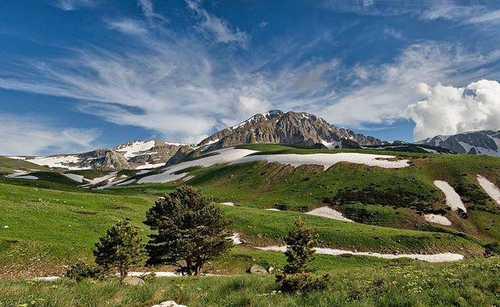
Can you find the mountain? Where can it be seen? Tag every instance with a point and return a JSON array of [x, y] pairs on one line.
[[133, 155], [486, 142], [277, 127], [290, 128]]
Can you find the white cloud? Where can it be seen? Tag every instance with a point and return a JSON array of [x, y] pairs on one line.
[[127, 26], [472, 14], [252, 105], [147, 7], [70, 5], [386, 98], [32, 136], [217, 27], [450, 110]]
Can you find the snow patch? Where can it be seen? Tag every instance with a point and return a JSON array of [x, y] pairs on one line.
[[328, 160], [74, 177], [135, 149], [490, 188], [149, 165], [272, 209], [19, 174], [228, 203], [330, 145], [58, 162], [329, 213], [443, 257], [170, 173], [236, 238], [169, 304], [453, 200], [437, 219]]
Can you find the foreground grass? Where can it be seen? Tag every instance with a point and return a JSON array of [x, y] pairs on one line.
[[473, 283], [43, 230]]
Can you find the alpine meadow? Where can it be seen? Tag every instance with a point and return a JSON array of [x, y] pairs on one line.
[[249, 153]]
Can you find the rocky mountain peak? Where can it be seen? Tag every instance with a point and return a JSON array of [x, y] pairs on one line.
[[485, 142], [291, 128]]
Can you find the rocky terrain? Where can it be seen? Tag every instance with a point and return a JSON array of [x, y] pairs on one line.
[[486, 142], [133, 155], [277, 127], [290, 128]]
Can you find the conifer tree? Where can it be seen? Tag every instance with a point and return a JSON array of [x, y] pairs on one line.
[[187, 231], [120, 248], [300, 243]]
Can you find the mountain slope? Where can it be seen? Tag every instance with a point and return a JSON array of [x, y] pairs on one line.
[[133, 155], [486, 142], [290, 128]]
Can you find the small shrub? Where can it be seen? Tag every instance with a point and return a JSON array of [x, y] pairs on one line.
[[282, 207], [492, 249], [302, 283], [80, 271]]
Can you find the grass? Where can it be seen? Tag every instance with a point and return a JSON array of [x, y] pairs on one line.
[[472, 283], [48, 229], [8, 165], [265, 227]]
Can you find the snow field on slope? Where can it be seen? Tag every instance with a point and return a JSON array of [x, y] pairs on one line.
[[328, 160], [58, 162], [453, 200], [490, 188], [223, 156], [442, 257], [437, 219], [136, 148], [236, 156]]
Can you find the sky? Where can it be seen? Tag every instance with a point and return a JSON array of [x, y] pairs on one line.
[[82, 74]]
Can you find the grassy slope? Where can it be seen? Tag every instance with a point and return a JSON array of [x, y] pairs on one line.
[[392, 193], [48, 228], [8, 165], [461, 284]]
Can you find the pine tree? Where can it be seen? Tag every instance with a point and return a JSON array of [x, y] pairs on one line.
[[300, 243], [187, 231], [296, 277], [120, 248]]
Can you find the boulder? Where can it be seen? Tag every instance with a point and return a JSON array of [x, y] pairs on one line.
[[257, 269], [133, 281], [169, 304]]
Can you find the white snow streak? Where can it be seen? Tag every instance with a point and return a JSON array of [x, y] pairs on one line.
[[329, 213], [453, 200], [223, 156], [490, 188], [437, 219], [443, 257], [327, 160]]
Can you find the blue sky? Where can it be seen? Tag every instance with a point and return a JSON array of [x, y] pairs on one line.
[[80, 74]]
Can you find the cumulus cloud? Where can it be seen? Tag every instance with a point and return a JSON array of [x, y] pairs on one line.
[[33, 136], [393, 87], [450, 110], [217, 27]]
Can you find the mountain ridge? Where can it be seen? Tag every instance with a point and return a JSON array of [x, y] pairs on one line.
[[482, 142]]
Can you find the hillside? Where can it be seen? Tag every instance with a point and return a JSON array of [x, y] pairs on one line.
[[485, 142], [133, 155]]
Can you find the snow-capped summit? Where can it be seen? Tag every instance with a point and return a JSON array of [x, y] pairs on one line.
[[292, 128], [485, 142], [133, 155]]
